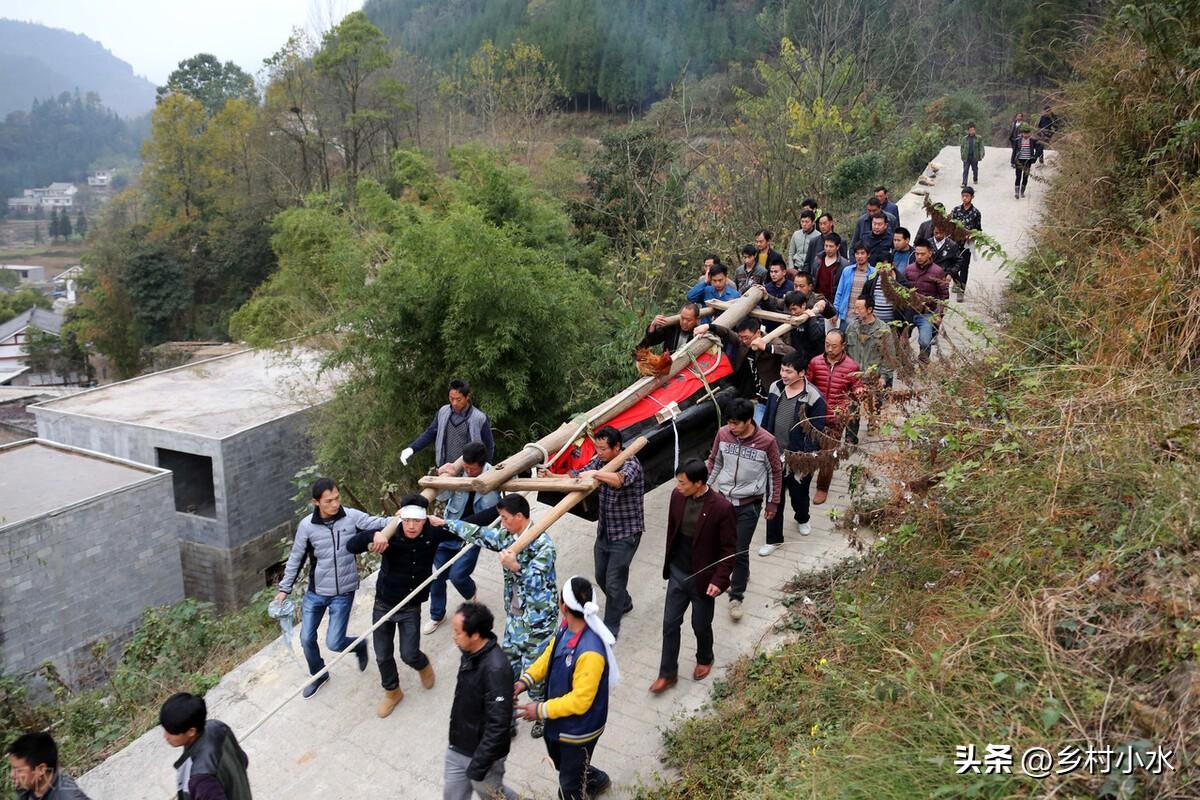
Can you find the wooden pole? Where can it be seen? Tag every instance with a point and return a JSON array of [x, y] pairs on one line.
[[674, 318], [786, 327], [430, 493], [532, 454], [773, 316], [535, 529], [559, 483]]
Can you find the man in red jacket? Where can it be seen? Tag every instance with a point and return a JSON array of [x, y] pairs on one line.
[[701, 536], [836, 377]]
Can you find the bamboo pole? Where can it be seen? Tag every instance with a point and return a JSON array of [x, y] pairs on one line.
[[535, 529], [430, 493], [673, 319], [772, 316], [786, 327], [562, 483], [532, 454]]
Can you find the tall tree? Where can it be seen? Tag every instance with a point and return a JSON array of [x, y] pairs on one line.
[[352, 55], [205, 79], [53, 224], [64, 224], [81, 224]]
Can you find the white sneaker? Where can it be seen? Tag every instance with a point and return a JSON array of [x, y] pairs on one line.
[[805, 528], [431, 625], [735, 610], [767, 549]]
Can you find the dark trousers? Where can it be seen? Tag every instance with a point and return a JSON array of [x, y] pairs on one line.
[[577, 778], [407, 622], [1022, 170], [612, 577], [972, 166], [796, 490], [747, 521], [833, 439], [683, 592], [964, 265]]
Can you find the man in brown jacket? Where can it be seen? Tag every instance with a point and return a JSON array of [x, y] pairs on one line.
[[701, 537]]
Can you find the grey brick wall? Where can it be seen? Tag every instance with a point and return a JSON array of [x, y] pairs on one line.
[[85, 573]]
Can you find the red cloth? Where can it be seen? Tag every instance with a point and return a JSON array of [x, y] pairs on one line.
[[680, 387]]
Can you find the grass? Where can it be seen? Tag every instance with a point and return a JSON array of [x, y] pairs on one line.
[[1035, 582]]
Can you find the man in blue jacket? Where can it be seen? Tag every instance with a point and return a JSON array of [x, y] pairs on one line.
[[715, 285], [322, 538]]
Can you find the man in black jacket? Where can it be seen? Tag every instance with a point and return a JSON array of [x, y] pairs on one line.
[[481, 716], [673, 337], [407, 562]]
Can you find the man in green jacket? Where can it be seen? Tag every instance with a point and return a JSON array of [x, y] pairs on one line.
[[869, 341], [971, 151], [213, 764]]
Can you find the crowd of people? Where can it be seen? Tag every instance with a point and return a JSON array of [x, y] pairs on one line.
[[850, 304]]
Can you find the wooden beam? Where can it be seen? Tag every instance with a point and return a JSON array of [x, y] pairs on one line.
[[430, 493], [674, 318], [773, 316], [558, 483], [567, 503], [532, 454]]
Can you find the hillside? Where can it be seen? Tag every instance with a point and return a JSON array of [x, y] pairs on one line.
[[38, 62]]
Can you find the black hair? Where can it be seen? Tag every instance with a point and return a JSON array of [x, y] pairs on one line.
[[832, 237], [695, 309], [775, 258], [971, 125], [840, 335], [35, 748], [582, 589], [713, 257], [476, 619], [874, 202], [475, 453], [902, 231], [869, 299], [610, 435], [763, 232], [182, 712], [809, 203], [740, 409], [799, 275], [923, 243], [806, 214], [795, 360], [795, 298], [878, 216], [749, 250], [321, 486], [694, 469], [881, 189], [414, 500], [823, 216], [747, 324], [860, 246], [460, 386], [514, 504], [717, 269]]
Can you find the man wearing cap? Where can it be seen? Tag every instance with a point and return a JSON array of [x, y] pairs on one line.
[[968, 216], [406, 564], [579, 669]]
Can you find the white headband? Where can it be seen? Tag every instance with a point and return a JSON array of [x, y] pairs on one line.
[[591, 615], [413, 512]]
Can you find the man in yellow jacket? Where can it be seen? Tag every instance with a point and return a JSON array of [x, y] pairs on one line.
[[579, 670]]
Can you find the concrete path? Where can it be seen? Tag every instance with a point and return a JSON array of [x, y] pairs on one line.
[[333, 746]]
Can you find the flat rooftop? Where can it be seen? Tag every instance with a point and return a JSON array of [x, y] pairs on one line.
[[37, 477], [216, 397]]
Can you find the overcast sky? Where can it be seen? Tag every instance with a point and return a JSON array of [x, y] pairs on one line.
[[155, 35]]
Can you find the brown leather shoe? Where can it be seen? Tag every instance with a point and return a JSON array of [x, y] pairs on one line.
[[820, 496], [701, 672], [391, 698], [662, 684], [426, 674]]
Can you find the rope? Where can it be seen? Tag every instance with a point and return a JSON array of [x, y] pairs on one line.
[[466, 548], [674, 427], [703, 376]]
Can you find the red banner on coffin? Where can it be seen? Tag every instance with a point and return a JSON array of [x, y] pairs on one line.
[[680, 387]]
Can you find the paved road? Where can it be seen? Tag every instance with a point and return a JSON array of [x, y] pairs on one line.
[[333, 746]]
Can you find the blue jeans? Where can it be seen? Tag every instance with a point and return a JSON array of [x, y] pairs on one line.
[[313, 610], [760, 411], [925, 333], [459, 574]]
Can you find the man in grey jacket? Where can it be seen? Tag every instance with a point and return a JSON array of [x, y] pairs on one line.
[[454, 426], [333, 580], [33, 763]]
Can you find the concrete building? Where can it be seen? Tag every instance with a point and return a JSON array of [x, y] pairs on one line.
[[60, 194], [233, 431], [15, 336], [101, 179], [27, 273], [87, 546]]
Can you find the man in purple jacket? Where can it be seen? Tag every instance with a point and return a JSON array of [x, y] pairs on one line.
[[932, 286]]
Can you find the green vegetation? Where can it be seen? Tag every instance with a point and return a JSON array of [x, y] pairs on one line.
[[182, 648], [1034, 581]]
